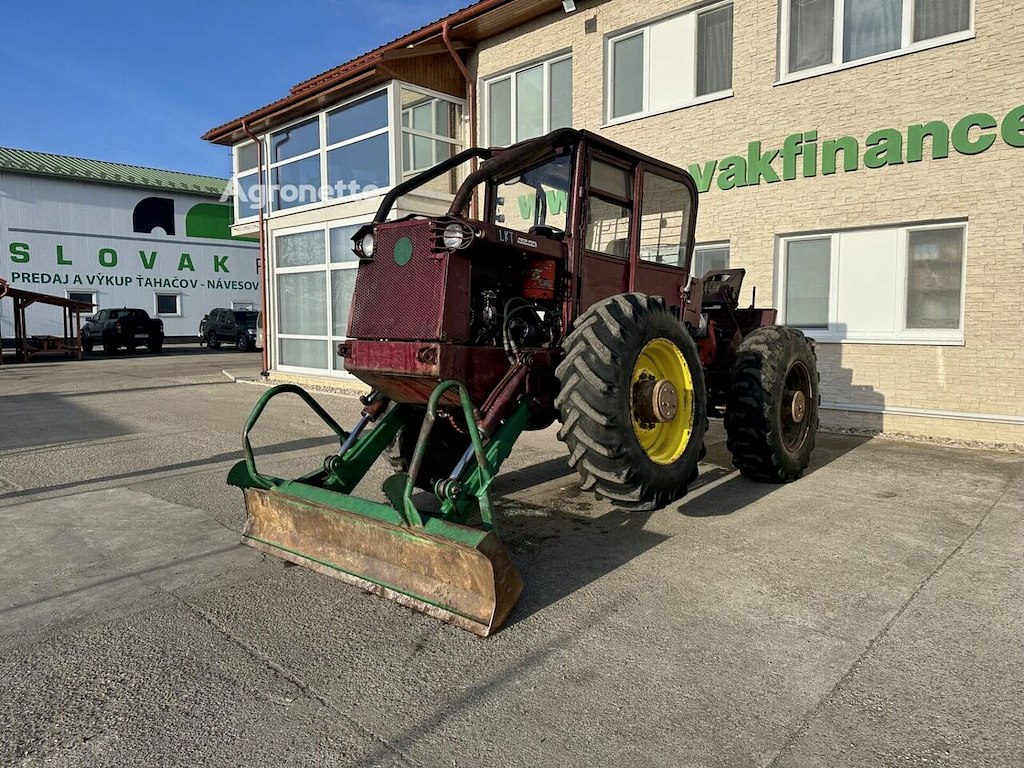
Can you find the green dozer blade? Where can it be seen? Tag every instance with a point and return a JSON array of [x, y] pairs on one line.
[[456, 573], [433, 563]]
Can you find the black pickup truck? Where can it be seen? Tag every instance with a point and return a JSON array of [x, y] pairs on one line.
[[114, 328], [231, 326]]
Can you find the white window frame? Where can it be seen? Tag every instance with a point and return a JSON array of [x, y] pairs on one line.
[[456, 143], [387, 129], [325, 268], [337, 266], [274, 271], [392, 129], [510, 75], [177, 303], [900, 333], [272, 166], [907, 44], [237, 175], [690, 98]]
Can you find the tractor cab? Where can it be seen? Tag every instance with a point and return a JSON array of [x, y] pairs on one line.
[[535, 235]]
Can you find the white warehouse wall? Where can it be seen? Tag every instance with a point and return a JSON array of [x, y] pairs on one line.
[[62, 235]]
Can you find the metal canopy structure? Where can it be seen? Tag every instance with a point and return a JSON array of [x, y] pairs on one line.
[[25, 346]]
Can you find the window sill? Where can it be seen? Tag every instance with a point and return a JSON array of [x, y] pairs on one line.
[[827, 69], [643, 115], [822, 336]]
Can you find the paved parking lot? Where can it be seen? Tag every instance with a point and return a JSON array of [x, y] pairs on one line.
[[869, 614]]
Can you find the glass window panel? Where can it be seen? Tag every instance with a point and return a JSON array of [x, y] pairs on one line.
[[406, 152], [247, 156], [710, 257], [303, 353], [300, 250], [872, 27], [249, 195], [810, 33], [85, 298], [355, 167], [935, 261], [935, 18], [341, 243], [714, 51], [628, 76], [422, 153], [607, 228], [302, 304], [443, 150], [357, 118], [167, 304], [296, 183], [295, 141], [343, 281], [539, 196], [560, 94], [808, 270], [530, 103], [423, 117], [664, 220], [612, 179], [446, 118], [499, 112]]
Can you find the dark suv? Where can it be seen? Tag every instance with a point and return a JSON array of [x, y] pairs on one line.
[[232, 326]]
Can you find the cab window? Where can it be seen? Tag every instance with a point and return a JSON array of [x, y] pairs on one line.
[[538, 197], [665, 212], [609, 209]]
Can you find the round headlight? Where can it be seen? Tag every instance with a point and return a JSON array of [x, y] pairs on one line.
[[455, 236], [367, 245]]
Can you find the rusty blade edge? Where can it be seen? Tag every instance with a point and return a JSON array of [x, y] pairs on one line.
[[460, 621]]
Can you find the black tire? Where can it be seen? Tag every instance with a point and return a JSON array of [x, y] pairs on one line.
[[87, 343], [447, 445], [212, 342], [597, 403], [768, 439], [242, 343], [131, 347], [109, 348], [155, 346]]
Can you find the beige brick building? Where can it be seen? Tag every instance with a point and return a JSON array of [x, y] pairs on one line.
[[863, 161]]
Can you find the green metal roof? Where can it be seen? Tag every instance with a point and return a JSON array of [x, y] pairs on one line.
[[44, 164]]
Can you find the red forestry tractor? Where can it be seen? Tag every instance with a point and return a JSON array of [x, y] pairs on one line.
[[568, 297]]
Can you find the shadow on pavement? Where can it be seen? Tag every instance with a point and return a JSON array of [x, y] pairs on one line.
[[562, 547], [204, 463], [32, 420]]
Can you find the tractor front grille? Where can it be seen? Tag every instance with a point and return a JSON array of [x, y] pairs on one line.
[[399, 294]]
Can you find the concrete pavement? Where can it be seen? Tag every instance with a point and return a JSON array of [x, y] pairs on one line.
[[869, 614]]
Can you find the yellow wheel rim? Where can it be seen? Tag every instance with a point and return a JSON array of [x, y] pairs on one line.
[[663, 441]]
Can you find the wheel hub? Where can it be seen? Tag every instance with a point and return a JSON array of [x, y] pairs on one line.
[[662, 401], [797, 405], [655, 400]]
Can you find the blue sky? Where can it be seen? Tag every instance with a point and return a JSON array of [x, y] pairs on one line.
[[139, 82]]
